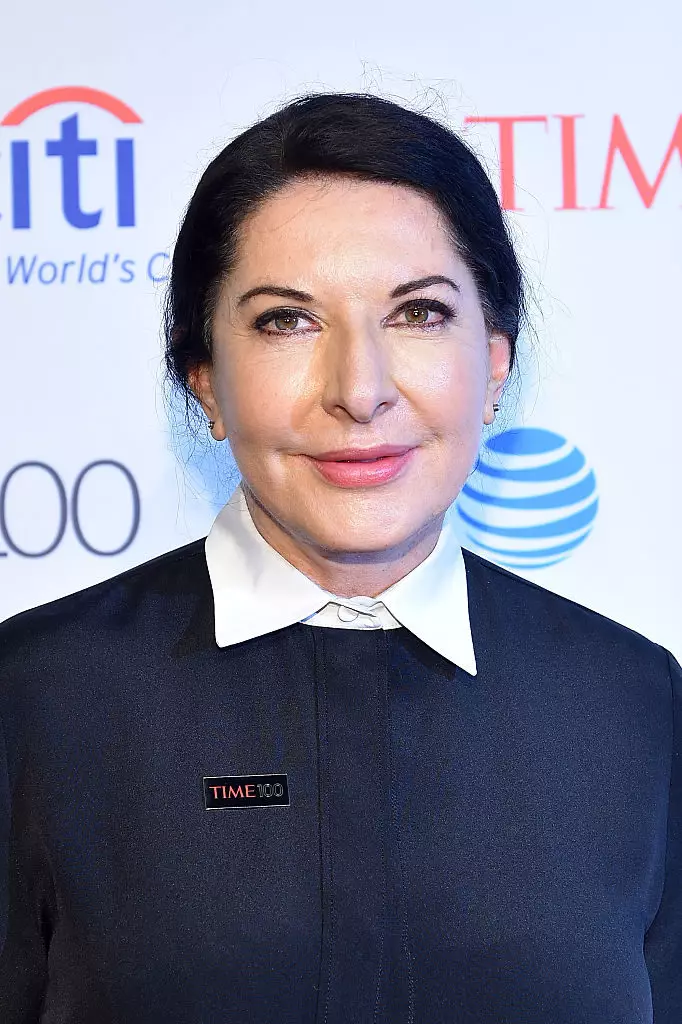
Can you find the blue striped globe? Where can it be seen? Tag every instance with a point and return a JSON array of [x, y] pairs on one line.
[[531, 500]]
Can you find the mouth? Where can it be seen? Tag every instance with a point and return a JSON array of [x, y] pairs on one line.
[[363, 468]]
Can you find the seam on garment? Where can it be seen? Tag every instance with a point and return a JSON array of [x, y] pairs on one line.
[[321, 675], [670, 783], [383, 696], [313, 645], [401, 875]]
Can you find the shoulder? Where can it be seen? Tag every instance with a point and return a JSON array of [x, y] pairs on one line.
[[529, 616], [94, 622], [161, 576]]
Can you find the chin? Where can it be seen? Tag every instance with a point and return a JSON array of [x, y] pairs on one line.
[[364, 533]]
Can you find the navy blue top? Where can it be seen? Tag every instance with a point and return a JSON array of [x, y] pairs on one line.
[[503, 848]]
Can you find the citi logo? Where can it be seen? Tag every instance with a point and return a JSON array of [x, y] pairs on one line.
[[74, 153]]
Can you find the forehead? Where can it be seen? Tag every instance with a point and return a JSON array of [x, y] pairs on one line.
[[340, 224]]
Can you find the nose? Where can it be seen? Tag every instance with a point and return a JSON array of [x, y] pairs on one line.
[[358, 373]]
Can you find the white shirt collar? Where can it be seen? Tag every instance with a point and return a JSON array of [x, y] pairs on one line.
[[256, 590]]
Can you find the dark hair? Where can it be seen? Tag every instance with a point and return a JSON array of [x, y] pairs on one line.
[[326, 134]]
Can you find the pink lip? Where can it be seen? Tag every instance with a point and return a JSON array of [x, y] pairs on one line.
[[377, 452], [389, 460]]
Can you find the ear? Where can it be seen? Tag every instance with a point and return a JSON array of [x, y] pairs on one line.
[[499, 358], [200, 380]]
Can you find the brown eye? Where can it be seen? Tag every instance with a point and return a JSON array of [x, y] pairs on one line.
[[417, 315], [285, 321]]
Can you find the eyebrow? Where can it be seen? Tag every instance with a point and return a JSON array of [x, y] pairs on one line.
[[298, 296]]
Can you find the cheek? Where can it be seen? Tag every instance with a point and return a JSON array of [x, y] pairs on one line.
[[449, 387], [259, 398]]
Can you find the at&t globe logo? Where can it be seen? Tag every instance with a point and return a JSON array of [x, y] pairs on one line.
[[531, 501]]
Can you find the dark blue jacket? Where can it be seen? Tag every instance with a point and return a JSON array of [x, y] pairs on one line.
[[497, 849]]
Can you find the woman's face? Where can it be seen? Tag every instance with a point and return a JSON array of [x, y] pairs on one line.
[[338, 329]]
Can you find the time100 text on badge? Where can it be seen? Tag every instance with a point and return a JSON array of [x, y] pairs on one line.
[[222, 792]]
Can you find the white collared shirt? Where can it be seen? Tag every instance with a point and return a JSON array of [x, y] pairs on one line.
[[256, 590]]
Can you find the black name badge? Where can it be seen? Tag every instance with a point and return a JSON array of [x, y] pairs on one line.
[[224, 791]]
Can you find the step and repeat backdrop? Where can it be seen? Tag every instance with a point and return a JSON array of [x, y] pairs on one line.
[[108, 115]]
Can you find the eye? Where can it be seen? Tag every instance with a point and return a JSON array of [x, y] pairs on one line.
[[416, 313], [284, 320]]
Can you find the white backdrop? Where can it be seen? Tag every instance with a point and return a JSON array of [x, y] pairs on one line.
[[576, 113]]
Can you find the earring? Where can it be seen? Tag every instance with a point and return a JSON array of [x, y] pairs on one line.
[[211, 424], [496, 407]]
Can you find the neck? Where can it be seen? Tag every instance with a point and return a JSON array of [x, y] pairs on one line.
[[347, 573]]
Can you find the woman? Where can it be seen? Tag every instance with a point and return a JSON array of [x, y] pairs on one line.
[[325, 765]]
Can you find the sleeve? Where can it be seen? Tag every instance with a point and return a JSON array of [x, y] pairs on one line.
[[663, 939], [5, 820], [24, 929]]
